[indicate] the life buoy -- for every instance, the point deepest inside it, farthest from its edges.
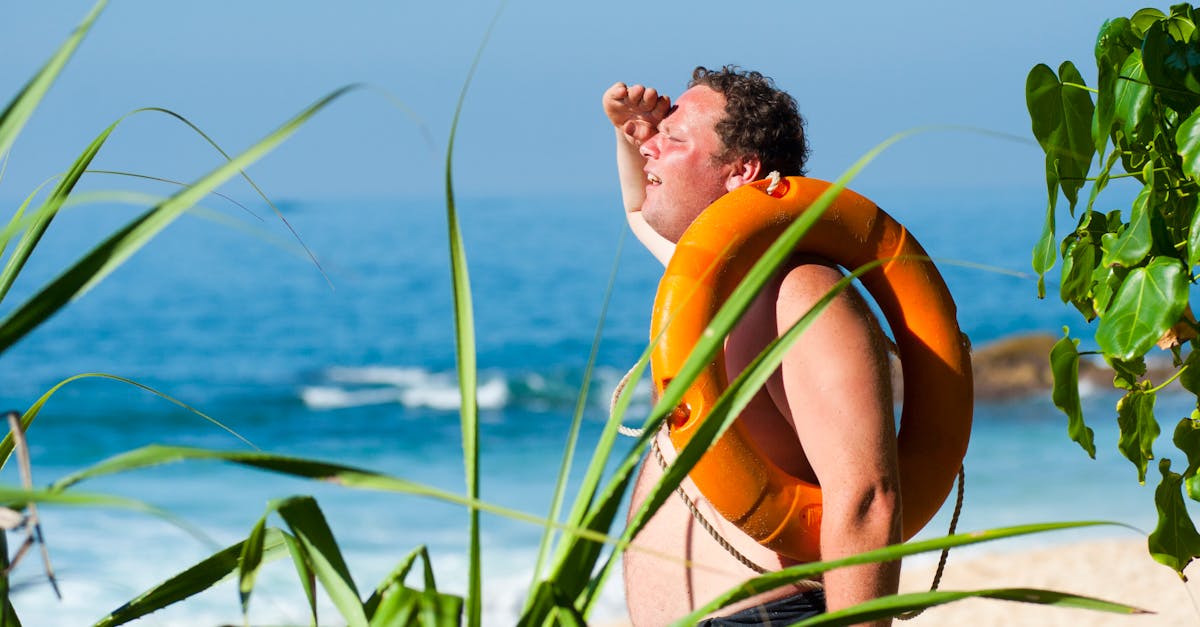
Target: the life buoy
(781, 511)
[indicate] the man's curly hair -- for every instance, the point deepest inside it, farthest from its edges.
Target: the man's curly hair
(759, 119)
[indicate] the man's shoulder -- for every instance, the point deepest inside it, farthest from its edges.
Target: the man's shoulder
(808, 279)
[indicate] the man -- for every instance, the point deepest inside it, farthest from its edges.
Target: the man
(824, 416)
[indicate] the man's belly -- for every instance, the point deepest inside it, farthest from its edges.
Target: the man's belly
(675, 565)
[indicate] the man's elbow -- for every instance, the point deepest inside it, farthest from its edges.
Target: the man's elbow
(874, 510)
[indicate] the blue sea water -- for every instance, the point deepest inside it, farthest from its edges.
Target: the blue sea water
(225, 313)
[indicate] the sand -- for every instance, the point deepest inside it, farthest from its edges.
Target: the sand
(1114, 570)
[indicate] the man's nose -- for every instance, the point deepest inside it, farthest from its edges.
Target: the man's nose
(649, 148)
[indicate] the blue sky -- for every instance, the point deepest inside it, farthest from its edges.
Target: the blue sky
(532, 122)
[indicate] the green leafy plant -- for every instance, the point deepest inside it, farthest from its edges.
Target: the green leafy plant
(582, 549)
(1132, 271)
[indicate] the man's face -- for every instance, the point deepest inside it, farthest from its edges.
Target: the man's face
(682, 174)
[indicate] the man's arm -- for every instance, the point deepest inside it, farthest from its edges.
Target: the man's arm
(837, 387)
(635, 112)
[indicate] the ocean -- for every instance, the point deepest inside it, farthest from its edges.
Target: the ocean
(226, 313)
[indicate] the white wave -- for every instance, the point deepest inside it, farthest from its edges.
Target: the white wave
(376, 375)
(346, 387)
(327, 397)
(491, 394)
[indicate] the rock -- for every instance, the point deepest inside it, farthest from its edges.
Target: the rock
(1019, 366)
(1014, 366)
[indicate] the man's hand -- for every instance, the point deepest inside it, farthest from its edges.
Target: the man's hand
(635, 111)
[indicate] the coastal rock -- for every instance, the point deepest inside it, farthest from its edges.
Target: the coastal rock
(1019, 366)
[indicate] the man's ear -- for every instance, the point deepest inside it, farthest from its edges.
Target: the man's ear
(746, 169)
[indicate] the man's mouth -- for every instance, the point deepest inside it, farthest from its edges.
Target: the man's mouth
(653, 179)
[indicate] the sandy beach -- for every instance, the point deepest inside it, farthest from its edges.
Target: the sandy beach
(1115, 570)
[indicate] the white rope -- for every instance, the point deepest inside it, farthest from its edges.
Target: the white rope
(612, 406)
(774, 178)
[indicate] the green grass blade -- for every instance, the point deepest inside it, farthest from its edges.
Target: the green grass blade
(22, 106)
(577, 553)
(27, 418)
(49, 209)
(106, 257)
(393, 603)
(194, 580)
(17, 497)
(19, 221)
(773, 580)
(199, 211)
(346, 476)
(400, 606)
(308, 579)
(159, 179)
(307, 523)
(464, 334)
(68, 180)
(564, 470)
(890, 606)
(437, 610)
(258, 190)
(249, 563)
(550, 608)
(8, 615)
(396, 577)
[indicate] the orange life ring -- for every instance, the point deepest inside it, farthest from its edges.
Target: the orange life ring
(777, 509)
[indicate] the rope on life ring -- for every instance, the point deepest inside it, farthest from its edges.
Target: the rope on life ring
(781, 511)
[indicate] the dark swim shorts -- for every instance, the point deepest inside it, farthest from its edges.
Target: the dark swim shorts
(783, 611)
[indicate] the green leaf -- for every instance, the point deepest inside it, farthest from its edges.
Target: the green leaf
(1189, 378)
(1139, 429)
(1076, 149)
(1102, 179)
(1106, 281)
(1193, 239)
(1126, 373)
(1149, 302)
(1173, 65)
(303, 516)
(1062, 117)
(1079, 263)
(1187, 439)
(1133, 244)
(194, 580)
(1144, 19)
(1043, 251)
(1133, 99)
(1174, 542)
(1113, 46)
(1064, 364)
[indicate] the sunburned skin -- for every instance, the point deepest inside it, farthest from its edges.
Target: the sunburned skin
(808, 418)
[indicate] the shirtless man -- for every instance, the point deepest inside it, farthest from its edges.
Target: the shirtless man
(825, 415)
